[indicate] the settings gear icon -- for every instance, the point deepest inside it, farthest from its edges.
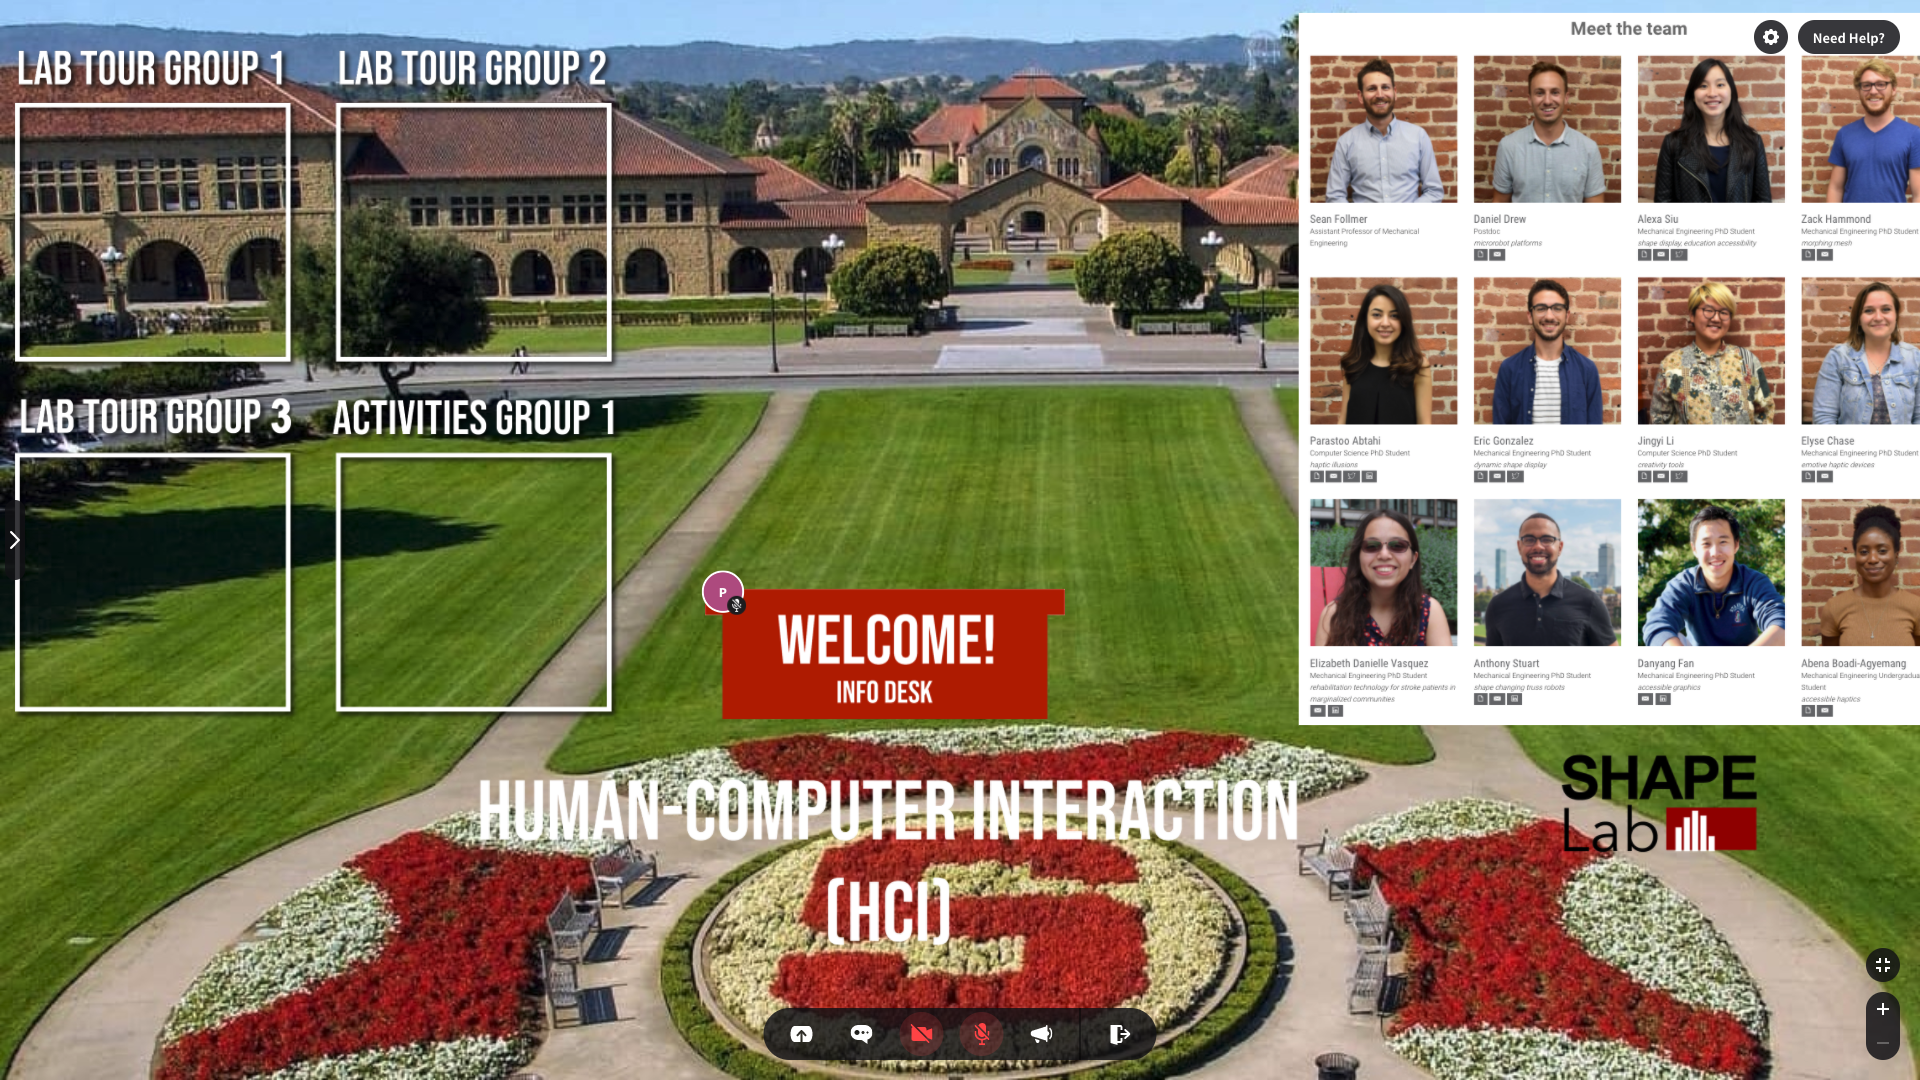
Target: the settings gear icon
(1770, 36)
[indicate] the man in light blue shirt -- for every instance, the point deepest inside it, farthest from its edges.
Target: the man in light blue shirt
(1383, 160)
(1547, 161)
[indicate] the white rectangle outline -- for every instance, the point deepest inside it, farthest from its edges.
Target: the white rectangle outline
(19, 644)
(340, 208)
(338, 563)
(286, 201)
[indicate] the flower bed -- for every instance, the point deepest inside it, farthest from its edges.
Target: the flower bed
(1035, 922)
(411, 962)
(1518, 955)
(1007, 753)
(985, 264)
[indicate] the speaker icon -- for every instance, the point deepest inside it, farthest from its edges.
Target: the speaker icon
(1041, 1034)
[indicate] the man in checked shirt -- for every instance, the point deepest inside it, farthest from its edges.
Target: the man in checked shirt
(1384, 159)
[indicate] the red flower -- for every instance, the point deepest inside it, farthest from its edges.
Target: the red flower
(826, 758)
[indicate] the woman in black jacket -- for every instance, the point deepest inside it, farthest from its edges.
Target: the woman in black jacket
(1713, 156)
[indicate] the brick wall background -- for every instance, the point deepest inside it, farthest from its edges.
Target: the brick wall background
(1826, 565)
(1436, 321)
(1426, 92)
(1500, 329)
(1828, 102)
(1759, 323)
(1762, 82)
(1826, 307)
(1501, 107)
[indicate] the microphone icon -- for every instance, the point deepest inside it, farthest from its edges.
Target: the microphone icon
(981, 1034)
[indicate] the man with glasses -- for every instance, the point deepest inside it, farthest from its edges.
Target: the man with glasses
(1548, 382)
(1875, 159)
(1384, 160)
(1545, 607)
(1710, 380)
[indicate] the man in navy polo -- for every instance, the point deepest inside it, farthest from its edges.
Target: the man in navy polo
(1548, 382)
(1720, 601)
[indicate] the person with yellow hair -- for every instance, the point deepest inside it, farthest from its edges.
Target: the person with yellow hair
(1710, 380)
(1875, 159)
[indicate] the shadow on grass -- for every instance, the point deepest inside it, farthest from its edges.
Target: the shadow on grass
(629, 414)
(41, 492)
(83, 572)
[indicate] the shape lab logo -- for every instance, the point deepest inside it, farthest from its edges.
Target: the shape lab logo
(1713, 828)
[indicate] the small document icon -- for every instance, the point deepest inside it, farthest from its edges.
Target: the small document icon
(919, 1034)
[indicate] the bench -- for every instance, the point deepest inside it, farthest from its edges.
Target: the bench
(1193, 327)
(616, 871)
(1369, 915)
(562, 981)
(1331, 862)
(1143, 328)
(852, 330)
(1369, 976)
(892, 330)
(569, 925)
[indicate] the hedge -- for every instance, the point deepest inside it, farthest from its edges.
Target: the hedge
(1186, 1050)
(677, 305)
(985, 264)
(136, 380)
(1061, 262)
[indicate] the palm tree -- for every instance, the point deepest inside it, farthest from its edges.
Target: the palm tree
(1223, 119)
(849, 123)
(1193, 121)
(1290, 37)
(887, 133)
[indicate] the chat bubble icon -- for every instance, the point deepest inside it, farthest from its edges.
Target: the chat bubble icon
(861, 1033)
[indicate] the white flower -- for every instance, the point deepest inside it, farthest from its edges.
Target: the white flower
(1531, 1054)
(478, 1057)
(1446, 819)
(464, 829)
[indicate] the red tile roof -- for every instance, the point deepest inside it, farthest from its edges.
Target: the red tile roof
(495, 142)
(909, 189)
(1139, 188)
(804, 214)
(1045, 87)
(950, 125)
(312, 109)
(779, 180)
(1226, 207)
(1114, 108)
(1269, 174)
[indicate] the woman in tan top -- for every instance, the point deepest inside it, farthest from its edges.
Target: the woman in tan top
(1874, 612)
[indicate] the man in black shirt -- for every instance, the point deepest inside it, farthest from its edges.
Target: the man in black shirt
(1545, 607)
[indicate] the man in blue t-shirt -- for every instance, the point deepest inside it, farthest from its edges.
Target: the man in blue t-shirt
(1875, 159)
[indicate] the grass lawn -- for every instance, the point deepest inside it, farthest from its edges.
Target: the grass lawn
(1147, 505)
(1060, 277)
(193, 796)
(518, 553)
(1282, 328)
(274, 345)
(1289, 398)
(1833, 830)
(964, 278)
(592, 340)
(187, 573)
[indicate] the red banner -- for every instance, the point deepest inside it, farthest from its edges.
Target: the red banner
(1713, 828)
(888, 654)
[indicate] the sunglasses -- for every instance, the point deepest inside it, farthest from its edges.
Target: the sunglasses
(1398, 547)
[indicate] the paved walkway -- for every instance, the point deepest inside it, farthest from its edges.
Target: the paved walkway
(1267, 426)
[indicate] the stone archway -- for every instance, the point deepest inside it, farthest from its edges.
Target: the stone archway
(1083, 231)
(587, 273)
(810, 268)
(1239, 266)
(485, 275)
(251, 262)
(165, 272)
(749, 271)
(76, 269)
(532, 275)
(645, 273)
(1290, 261)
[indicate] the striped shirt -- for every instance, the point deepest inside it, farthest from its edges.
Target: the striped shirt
(1546, 390)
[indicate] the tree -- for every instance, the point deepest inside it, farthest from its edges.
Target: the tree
(405, 294)
(889, 280)
(47, 310)
(1266, 104)
(1181, 171)
(1193, 123)
(849, 126)
(310, 337)
(888, 135)
(1134, 146)
(1137, 271)
(737, 127)
(946, 173)
(9, 366)
(1290, 37)
(1222, 121)
(1666, 549)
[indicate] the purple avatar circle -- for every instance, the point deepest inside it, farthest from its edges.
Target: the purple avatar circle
(721, 586)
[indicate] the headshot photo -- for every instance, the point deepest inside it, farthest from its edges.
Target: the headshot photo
(1546, 129)
(1383, 129)
(1546, 572)
(1856, 588)
(1857, 145)
(1713, 129)
(1856, 365)
(1546, 350)
(1383, 571)
(1384, 351)
(1712, 572)
(1711, 352)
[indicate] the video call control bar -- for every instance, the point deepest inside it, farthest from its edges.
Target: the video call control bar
(1050, 1035)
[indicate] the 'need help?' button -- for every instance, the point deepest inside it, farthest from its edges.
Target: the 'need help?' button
(1840, 36)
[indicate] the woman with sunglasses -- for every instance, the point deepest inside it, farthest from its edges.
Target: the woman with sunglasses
(1710, 380)
(1382, 601)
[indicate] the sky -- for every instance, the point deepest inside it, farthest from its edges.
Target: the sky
(578, 24)
(1584, 525)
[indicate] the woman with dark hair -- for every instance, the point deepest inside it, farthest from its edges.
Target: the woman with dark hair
(1382, 601)
(1875, 377)
(1876, 611)
(1713, 156)
(1387, 380)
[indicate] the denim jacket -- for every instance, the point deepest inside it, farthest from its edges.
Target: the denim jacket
(1844, 392)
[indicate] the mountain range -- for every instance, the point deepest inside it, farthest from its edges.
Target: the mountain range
(314, 58)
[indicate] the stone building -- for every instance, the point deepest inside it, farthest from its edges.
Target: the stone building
(195, 198)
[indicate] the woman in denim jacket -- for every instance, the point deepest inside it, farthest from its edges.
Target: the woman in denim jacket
(1875, 377)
